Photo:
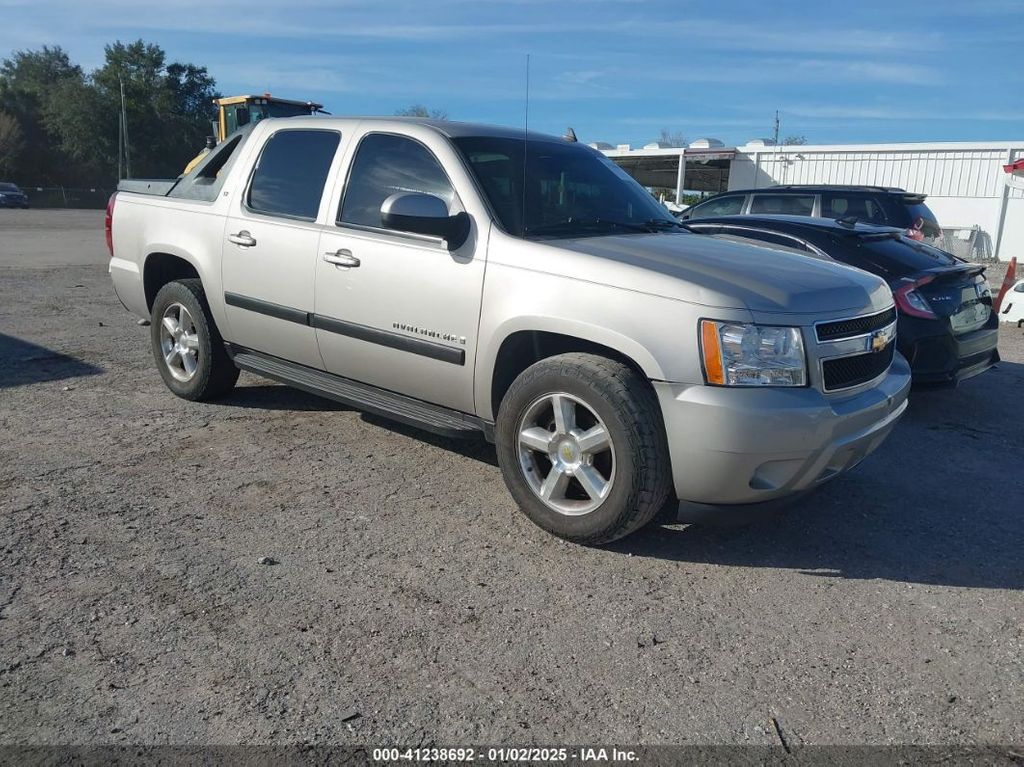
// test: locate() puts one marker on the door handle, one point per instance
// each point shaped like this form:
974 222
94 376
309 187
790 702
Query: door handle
342 258
242 238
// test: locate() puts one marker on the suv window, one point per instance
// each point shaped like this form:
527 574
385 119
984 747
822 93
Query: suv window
291 172
839 205
720 206
386 164
783 204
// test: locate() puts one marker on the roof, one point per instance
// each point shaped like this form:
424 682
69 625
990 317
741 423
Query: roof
449 128
794 222
797 188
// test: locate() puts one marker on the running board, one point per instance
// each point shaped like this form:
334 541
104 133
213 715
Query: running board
414 412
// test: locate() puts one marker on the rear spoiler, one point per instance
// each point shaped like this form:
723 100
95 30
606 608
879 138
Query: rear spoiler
965 270
913 198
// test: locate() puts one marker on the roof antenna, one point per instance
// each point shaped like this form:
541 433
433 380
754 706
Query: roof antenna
526 138
570 135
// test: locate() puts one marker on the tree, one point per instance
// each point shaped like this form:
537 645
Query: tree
671 138
12 142
794 141
28 81
168 108
419 110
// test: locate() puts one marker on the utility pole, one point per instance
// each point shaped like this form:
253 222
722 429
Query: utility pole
124 132
775 130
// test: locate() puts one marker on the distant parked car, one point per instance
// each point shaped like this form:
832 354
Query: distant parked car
946 329
886 206
11 196
1012 309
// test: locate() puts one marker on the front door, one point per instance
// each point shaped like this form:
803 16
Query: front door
395 309
270 246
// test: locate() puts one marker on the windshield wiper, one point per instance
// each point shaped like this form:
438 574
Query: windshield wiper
662 224
583 224
649 226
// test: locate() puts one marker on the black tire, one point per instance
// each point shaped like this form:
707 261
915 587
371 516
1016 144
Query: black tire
215 374
626 404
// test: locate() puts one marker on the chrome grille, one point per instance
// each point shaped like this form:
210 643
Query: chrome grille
844 372
858 326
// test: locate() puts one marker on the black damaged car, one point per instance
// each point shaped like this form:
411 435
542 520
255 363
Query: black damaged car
946 327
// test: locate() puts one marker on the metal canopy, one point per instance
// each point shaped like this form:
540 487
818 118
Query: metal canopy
704 170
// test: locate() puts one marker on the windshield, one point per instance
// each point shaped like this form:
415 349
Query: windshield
5 187
571 189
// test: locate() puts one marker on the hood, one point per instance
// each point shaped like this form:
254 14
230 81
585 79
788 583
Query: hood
719 273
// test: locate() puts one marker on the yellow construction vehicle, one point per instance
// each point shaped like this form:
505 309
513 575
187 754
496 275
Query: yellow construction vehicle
235 111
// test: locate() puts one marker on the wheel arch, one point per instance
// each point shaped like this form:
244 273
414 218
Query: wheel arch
528 342
162 266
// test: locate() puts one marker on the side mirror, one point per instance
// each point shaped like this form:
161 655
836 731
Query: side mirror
424 214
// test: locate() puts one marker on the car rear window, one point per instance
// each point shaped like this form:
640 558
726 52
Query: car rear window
920 210
783 204
898 256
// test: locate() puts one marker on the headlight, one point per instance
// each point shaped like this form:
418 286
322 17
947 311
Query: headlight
739 354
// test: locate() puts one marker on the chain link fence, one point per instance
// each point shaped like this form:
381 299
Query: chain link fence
67 197
968 242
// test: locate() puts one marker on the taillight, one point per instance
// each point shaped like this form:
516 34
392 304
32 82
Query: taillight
916 231
108 224
912 303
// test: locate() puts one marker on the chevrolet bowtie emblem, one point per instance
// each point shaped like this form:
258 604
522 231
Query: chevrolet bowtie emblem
878 341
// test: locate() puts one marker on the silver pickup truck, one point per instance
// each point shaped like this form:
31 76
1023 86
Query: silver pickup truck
476 280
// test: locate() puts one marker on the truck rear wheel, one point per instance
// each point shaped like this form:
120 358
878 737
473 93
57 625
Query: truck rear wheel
582 447
187 346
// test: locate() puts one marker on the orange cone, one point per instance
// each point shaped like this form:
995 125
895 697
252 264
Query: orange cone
1008 280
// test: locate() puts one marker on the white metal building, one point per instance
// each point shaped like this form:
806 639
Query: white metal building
964 181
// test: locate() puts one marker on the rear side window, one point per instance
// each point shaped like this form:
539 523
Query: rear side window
720 206
291 172
783 204
766 237
385 165
858 206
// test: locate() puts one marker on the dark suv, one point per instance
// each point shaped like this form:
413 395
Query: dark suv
886 206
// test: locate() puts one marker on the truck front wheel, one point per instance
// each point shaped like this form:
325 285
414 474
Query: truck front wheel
187 346
582 447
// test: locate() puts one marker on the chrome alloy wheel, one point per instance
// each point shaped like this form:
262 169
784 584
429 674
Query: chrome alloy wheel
179 342
566 454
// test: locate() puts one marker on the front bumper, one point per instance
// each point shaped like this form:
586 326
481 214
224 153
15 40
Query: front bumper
743 446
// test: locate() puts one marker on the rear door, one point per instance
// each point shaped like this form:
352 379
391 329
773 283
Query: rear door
270 245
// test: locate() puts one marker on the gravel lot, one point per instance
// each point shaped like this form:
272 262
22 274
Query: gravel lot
412 603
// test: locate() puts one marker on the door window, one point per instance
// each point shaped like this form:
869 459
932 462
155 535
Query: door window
385 165
844 205
783 204
766 237
722 206
291 172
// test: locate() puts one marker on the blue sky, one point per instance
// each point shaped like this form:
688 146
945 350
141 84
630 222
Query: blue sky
615 70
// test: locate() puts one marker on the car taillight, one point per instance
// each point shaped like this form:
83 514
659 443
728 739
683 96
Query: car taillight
916 231
108 224
912 303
